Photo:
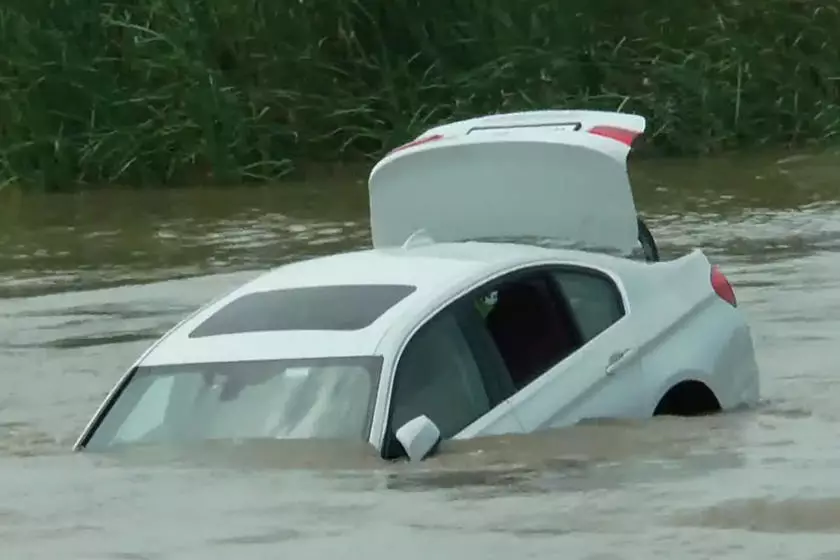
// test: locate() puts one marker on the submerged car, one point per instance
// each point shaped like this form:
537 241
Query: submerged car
460 321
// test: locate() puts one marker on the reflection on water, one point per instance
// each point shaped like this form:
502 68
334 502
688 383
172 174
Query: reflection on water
88 281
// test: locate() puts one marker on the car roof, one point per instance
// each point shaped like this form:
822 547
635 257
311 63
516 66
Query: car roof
434 269
430 275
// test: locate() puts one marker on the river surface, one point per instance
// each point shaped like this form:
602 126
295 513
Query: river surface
88 281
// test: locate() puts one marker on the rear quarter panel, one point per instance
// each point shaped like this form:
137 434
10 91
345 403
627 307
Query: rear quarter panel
691 334
714 346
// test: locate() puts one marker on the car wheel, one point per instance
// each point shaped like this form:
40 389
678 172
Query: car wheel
649 248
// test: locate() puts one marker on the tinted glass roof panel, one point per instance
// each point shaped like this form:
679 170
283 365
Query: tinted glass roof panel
320 308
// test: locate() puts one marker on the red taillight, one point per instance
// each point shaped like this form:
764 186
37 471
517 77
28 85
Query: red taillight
621 134
722 287
418 142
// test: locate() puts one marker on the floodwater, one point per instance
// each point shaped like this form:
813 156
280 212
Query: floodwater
88 281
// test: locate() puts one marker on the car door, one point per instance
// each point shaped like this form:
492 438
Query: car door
443 374
578 355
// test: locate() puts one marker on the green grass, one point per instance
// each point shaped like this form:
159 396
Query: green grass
172 92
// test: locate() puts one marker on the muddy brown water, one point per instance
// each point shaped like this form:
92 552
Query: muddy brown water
88 281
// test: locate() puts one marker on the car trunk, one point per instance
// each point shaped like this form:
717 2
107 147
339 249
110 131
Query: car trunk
551 175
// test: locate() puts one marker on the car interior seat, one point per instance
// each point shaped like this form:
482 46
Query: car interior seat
528 331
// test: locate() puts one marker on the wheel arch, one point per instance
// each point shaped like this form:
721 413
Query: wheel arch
687 396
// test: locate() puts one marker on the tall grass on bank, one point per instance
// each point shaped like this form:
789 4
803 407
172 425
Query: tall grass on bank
225 91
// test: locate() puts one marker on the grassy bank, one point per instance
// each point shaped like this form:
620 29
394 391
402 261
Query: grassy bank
178 91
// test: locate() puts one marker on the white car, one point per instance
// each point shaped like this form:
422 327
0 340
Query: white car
461 321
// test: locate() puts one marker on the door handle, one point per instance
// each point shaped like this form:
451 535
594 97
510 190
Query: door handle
619 358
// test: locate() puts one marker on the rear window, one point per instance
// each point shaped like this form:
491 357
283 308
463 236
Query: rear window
318 308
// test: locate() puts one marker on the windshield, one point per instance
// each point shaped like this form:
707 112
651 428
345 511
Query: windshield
296 399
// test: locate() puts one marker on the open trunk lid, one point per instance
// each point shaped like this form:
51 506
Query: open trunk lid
557 175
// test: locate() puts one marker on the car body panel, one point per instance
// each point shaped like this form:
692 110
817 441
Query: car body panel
514 175
661 331
573 389
502 420
729 370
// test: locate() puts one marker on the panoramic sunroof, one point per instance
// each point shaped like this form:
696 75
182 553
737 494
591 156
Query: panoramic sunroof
319 308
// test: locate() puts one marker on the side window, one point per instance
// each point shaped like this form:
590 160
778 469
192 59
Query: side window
593 298
530 325
438 376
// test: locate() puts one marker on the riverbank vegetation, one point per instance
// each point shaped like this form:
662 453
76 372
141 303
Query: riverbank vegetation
168 92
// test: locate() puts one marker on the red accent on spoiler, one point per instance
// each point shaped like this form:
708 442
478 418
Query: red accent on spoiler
621 134
418 142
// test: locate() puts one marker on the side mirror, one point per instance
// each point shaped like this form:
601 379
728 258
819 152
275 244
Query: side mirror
419 437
